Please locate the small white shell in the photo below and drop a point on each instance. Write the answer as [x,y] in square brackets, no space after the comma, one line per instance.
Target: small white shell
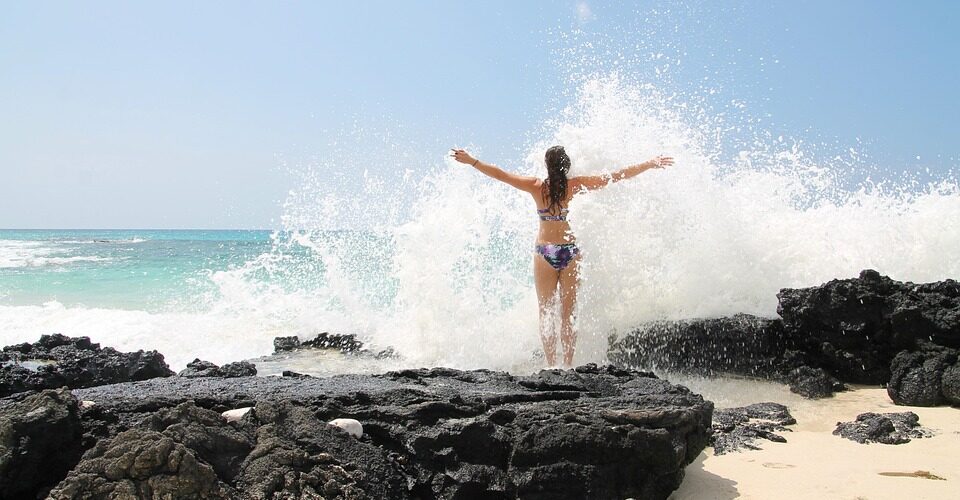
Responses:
[87,404]
[235,415]
[350,425]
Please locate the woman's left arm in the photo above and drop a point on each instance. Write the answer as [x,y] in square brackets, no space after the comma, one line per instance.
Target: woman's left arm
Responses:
[521,182]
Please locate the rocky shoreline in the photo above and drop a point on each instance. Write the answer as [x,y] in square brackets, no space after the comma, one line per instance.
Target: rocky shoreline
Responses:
[867,330]
[82,421]
[587,433]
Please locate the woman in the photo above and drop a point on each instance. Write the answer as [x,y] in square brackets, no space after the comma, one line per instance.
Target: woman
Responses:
[555,265]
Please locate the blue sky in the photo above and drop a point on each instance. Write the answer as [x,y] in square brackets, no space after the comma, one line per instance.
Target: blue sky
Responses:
[189,114]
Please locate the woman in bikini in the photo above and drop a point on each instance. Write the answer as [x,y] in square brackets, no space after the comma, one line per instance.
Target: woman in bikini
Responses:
[555,265]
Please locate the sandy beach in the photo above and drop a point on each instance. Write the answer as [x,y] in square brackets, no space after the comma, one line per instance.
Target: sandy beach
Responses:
[814,463]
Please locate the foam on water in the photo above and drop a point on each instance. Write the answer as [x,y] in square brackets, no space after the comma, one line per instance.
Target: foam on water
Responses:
[441,271]
[19,254]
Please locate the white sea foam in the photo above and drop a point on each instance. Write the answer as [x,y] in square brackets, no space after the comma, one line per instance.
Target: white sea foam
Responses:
[181,337]
[706,237]
[21,254]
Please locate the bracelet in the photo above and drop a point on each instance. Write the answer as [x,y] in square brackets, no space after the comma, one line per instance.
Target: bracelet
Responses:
[474,164]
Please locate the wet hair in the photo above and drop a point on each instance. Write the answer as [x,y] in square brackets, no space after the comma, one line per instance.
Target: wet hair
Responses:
[555,189]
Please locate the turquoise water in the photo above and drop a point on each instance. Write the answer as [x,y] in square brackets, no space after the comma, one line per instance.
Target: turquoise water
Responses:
[223,295]
[149,270]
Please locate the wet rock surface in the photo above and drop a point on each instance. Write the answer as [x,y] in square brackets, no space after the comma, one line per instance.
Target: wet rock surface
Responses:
[742,344]
[740,428]
[886,428]
[439,433]
[40,439]
[813,383]
[57,360]
[199,368]
[844,331]
[346,343]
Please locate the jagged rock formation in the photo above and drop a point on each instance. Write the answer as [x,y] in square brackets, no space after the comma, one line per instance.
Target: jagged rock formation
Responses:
[855,327]
[57,360]
[736,428]
[40,440]
[842,331]
[440,433]
[886,428]
[927,377]
[200,368]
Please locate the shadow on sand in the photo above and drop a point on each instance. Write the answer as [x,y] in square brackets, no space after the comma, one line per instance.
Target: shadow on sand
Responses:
[700,484]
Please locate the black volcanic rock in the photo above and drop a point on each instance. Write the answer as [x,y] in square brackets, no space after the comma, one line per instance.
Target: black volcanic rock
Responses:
[299,455]
[346,343]
[280,451]
[814,383]
[57,360]
[853,328]
[742,344]
[40,440]
[140,463]
[736,428]
[950,383]
[886,428]
[281,344]
[918,377]
[199,368]
[238,369]
[842,331]
[439,433]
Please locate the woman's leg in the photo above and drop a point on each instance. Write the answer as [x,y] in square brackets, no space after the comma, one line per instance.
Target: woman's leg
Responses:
[569,280]
[545,278]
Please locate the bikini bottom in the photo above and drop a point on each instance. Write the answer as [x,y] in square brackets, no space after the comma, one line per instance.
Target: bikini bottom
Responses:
[558,256]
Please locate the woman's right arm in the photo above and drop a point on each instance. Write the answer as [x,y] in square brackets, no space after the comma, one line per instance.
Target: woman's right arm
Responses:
[523,183]
[590,182]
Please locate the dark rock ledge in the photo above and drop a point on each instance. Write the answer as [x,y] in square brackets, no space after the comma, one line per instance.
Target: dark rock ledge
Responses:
[865,330]
[587,433]
[57,360]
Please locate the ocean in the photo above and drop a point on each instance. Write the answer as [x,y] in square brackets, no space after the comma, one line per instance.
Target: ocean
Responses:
[437,265]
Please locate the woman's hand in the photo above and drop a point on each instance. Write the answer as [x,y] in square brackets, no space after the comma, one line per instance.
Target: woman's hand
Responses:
[462,156]
[661,162]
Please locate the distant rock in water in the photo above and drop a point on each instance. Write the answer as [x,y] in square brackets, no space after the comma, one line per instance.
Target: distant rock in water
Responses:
[199,368]
[57,360]
[591,432]
[886,428]
[737,428]
[324,340]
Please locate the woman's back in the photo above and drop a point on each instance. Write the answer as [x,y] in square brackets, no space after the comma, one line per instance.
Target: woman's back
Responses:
[554,227]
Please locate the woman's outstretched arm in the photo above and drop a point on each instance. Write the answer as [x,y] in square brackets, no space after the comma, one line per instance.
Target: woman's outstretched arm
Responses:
[523,183]
[589,182]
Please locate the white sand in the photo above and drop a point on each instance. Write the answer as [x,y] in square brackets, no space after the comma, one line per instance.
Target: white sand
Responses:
[815,464]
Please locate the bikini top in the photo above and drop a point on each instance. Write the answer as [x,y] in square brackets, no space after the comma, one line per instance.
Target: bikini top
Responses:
[545,214]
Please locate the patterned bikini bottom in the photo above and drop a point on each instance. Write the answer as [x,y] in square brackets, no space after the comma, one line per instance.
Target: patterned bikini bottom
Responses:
[558,256]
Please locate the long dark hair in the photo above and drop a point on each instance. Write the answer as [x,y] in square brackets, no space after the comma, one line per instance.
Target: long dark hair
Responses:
[555,189]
